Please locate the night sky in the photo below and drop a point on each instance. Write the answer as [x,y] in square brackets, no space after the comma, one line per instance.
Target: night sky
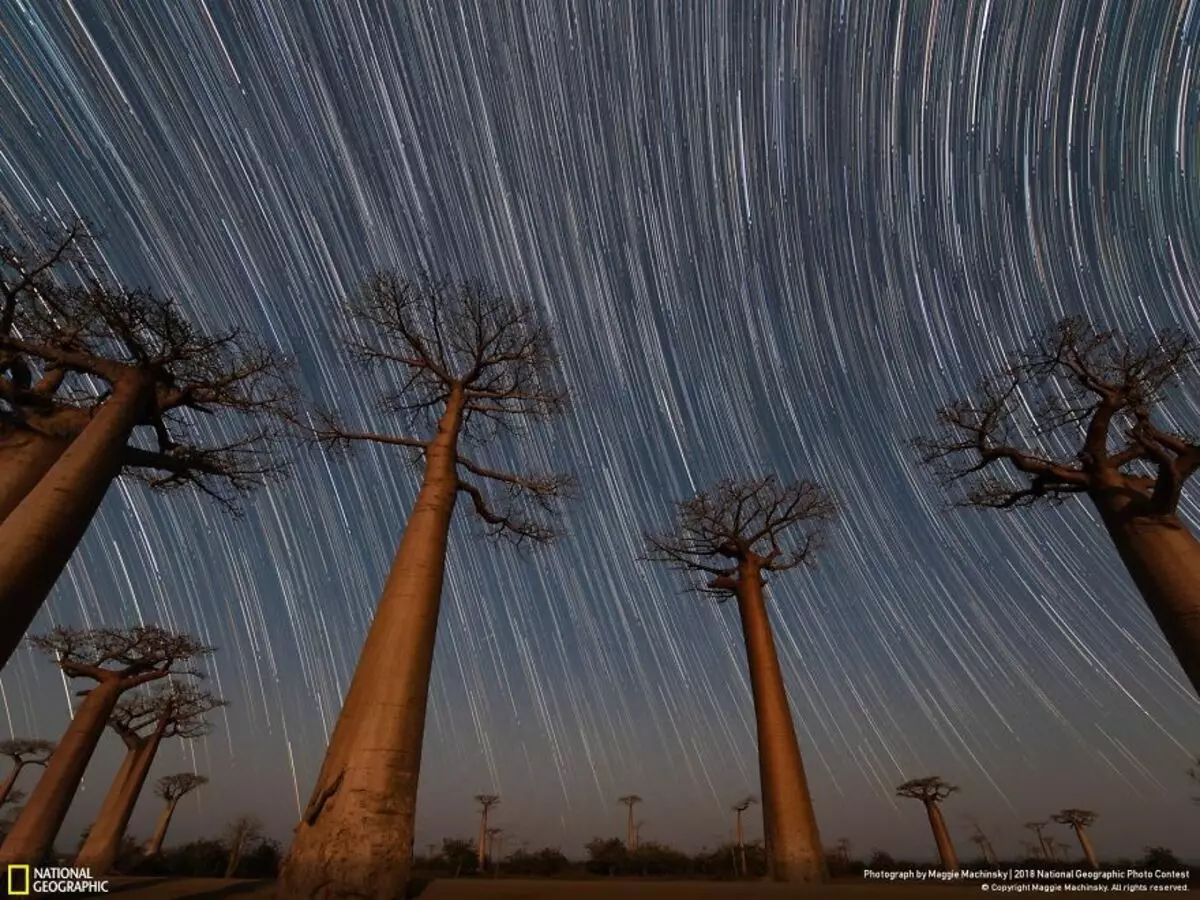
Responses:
[769,237]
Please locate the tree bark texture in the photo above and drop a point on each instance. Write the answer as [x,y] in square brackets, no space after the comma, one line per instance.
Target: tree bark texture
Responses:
[789,823]
[25,458]
[99,851]
[1163,559]
[39,536]
[941,836]
[356,837]
[154,845]
[35,829]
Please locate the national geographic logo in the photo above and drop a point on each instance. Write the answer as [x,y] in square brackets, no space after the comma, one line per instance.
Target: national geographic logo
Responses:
[24,881]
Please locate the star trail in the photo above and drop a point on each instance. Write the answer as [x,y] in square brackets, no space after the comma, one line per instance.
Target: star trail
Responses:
[770,237]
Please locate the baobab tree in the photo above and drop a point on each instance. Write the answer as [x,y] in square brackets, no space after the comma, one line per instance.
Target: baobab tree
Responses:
[31,438]
[486,802]
[981,841]
[629,801]
[931,792]
[23,752]
[1194,774]
[143,720]
[118,660]
[495,842]
[114,380]
[738,835]
[728,539]
[469,360]
[1089,402]
[239,835]
[1037,828]
[172,789]
[1080,820]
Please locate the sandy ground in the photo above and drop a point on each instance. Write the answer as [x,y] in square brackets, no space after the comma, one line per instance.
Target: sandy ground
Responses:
[505,889]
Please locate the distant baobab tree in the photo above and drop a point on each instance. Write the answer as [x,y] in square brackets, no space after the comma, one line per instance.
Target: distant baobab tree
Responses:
[486,802]
[981,840]
[495,843]
[1080,820]
[629,801]
[172,789]
[1096,391]
[729,538]
[738,835]
[1037,828]
[96,380]
[469,360]
[23,752]
[931,792]
[143,720]
[1194,774]
[118,660]
[843,851]
[239,835]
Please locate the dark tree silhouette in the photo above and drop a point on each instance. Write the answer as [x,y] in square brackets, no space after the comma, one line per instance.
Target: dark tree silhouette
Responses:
[495,842]
[143,720]
[931,792]
[1080,820]
[738,835]
[118,660]
[172,789]
[1037,828]
[240,834]
[469,359]
[1078,413]
[113,380]
[23,752]
[1194,774]
[486,802]
[629,801]
[729,539]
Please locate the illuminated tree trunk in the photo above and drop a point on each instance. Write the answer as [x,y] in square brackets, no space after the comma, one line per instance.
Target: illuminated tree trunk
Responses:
[1085,844]
[25,458]
[33,834]
[482,848]
[741,845]
[941,836]
[789,823]
[103,843]
[39,536]
[154,845]
[1163,558]
[356,837]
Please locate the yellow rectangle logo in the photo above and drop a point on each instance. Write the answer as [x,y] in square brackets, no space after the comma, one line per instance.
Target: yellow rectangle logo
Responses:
[18,881]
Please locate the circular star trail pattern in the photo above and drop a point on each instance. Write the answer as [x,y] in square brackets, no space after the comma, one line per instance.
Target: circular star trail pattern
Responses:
[769,237]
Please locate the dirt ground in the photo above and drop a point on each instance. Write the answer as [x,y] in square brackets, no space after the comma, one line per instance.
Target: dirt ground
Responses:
[548,889]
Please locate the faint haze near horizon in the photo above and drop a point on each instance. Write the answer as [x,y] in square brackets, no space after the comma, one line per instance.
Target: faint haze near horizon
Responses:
[770,237]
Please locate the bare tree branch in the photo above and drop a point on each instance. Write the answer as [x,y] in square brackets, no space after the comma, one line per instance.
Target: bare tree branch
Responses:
[1075,386]
[736,521]
[134,656]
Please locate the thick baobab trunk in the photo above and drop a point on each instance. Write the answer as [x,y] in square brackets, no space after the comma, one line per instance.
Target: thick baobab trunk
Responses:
[11,780]
[356,836]
[1085,844]
[33,834]
[25,458]
[39,536]
[630,844]
[942,837]
[1163,558]
[154,845]
[789,823]
[99,851]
